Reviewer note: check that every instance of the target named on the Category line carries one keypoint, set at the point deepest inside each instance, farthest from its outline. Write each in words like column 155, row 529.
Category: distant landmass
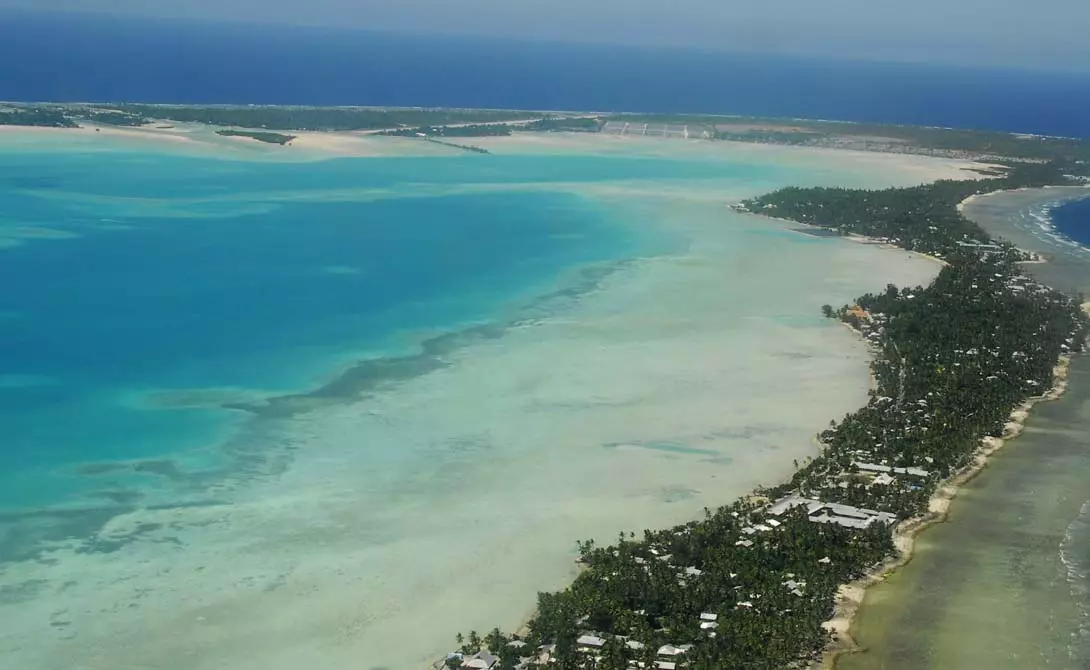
column 273, row 124
column 89, row 58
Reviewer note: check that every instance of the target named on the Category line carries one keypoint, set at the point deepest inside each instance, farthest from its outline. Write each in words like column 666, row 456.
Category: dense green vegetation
column 260, row 136
column 35, row 116
column 565, row 124
column 750, row 590
column 318, row 118
column 924, row 218
column 109, row 117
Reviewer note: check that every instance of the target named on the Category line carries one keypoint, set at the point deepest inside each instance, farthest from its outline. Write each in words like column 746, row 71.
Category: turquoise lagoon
column 269, row 413
column 182, row 281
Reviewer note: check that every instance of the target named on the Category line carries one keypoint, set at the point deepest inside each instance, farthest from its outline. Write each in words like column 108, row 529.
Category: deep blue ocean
column 1073, row 221
column 88, row 58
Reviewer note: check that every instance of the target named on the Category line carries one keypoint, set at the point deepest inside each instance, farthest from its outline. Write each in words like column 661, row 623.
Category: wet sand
column 999, row 584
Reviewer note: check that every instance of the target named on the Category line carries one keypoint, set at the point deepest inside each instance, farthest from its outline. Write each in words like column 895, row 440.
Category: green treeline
column 34, row 116
column 317, row 118
column 924, row 218
column 565, row 124
column 108, row 117
column 260, row 136
column 951, row 362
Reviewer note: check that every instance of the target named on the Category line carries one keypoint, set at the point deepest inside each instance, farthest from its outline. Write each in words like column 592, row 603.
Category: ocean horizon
column 100, row 58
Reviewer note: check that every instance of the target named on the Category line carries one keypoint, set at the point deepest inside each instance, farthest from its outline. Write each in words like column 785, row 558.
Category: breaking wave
column 1075, row 556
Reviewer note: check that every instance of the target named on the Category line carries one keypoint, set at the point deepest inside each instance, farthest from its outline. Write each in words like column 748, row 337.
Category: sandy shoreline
column 850, row 597
column 321, row 145
column 1045, row 194
column 854, row 237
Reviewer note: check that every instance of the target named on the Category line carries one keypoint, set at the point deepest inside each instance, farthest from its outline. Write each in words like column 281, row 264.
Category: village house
column 823, row 512
column 873, row 467
column 669, row 651
column 590, row 642
column 482, row 660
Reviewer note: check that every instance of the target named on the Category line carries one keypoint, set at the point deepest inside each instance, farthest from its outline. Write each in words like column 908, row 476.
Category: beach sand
column 683, row 381
column 310, row 145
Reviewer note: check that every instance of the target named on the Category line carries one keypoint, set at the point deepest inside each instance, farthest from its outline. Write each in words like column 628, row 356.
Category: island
column 754, row 583
column 319, row 118
column 260, row 136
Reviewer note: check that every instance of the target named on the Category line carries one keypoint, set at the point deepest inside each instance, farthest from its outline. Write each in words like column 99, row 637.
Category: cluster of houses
column 668, row 656
column 671, row 657
column 818, row 511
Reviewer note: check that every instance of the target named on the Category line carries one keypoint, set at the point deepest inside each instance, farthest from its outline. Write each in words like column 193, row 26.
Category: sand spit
column 925, row 168
column 200, row 138
column 1047, row 193
column 174, row 135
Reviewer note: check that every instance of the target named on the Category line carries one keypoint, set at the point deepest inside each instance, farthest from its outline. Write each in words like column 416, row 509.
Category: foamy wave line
column 1042, row 225
column 1077, row 566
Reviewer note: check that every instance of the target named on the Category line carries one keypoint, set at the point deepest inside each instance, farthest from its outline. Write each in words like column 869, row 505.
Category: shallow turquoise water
column 130, row 275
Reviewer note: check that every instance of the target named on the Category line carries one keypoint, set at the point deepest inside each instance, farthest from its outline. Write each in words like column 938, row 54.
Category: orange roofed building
column 859, row 313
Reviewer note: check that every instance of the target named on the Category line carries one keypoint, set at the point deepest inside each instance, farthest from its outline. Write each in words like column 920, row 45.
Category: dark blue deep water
column 1073, row 221
column 86, row 58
